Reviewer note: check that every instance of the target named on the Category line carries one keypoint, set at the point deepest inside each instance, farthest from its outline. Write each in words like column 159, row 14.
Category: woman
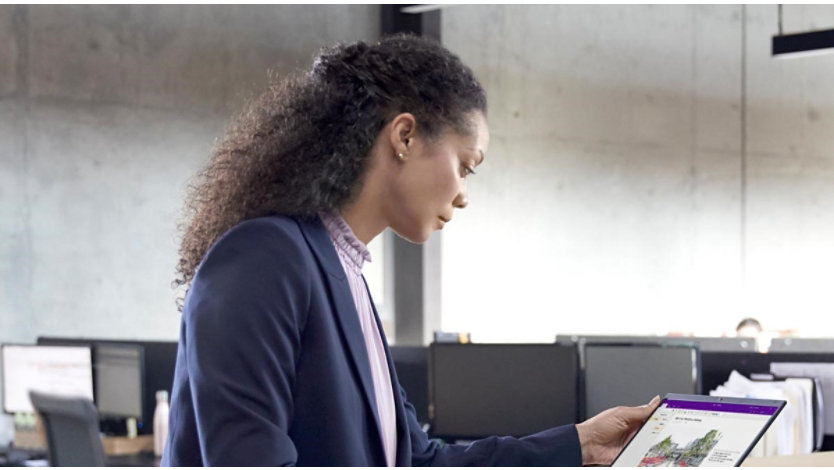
column 282, row 360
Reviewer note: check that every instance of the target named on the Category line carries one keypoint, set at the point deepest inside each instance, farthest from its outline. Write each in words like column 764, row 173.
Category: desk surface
column 143, row 459
column 817, row 459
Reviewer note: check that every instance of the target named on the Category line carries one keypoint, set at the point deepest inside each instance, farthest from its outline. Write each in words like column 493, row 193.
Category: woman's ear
column 403, row 130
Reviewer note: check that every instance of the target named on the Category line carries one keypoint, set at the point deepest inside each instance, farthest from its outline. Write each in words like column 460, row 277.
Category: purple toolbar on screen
column 721, row 407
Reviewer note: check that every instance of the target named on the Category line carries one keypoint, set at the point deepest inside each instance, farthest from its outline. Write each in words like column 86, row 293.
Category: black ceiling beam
column 813, row 42
column 394, row 20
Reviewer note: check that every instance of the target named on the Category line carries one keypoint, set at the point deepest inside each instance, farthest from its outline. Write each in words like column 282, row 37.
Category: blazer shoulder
column 270, row 247
column 263, row 261
column 276, row 227
column 271, row 235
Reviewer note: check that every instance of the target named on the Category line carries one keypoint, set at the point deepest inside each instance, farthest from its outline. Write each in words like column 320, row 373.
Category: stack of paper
column 823, row 375
column 825, row 372
column 793, row 430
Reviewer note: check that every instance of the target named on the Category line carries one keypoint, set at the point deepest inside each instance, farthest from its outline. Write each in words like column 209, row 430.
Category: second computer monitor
column 481, row 390
column 119, row 377
column 622, row 374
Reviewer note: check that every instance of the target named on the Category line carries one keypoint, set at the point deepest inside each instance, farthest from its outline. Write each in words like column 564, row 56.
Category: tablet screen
column 710, row 433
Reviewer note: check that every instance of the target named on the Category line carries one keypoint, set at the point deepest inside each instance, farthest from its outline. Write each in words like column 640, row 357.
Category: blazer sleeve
column 243, row 317
column 553, row 447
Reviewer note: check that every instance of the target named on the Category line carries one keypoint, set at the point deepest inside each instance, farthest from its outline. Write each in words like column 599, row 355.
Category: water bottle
column 160, row 422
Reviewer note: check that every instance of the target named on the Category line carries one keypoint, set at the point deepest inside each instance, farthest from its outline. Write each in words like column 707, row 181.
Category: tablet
column 699, row 431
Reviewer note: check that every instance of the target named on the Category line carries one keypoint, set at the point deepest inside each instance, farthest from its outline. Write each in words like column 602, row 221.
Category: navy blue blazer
column 272, row 367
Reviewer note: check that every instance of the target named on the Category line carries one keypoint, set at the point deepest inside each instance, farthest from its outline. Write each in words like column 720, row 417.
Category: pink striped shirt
column 353, row 254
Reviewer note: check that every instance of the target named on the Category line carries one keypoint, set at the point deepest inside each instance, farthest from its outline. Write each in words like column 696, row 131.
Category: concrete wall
column 651, row 169
column 619, row 194
column 105, row 112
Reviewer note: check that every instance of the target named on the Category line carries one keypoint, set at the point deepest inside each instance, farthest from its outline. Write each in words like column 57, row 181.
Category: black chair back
column 72, row 430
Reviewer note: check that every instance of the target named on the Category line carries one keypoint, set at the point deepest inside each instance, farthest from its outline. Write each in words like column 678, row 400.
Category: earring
column 401, row 156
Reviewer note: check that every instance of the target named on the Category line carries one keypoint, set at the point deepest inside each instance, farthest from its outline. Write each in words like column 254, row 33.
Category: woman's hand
column 604, row 436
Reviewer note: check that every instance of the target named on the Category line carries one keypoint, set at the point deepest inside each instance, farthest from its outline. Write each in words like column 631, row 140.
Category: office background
column 623, row 194
column 652, row 168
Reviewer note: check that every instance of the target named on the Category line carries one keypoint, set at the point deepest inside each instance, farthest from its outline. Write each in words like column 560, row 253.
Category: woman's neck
column 364, row 219
column 364, row 214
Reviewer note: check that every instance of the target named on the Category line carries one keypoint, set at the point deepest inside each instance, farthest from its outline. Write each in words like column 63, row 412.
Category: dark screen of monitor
column 119, row 380
column 632, row 375
column 499, row 389
column 411, row 364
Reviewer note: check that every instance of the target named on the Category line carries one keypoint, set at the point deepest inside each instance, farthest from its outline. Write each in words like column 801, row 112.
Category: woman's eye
column 468, row 171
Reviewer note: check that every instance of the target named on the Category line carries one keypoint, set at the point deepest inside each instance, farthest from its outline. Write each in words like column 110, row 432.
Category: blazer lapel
column 345, row 309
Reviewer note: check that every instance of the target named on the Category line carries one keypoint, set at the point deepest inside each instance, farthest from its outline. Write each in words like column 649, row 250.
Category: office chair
column 72, row 432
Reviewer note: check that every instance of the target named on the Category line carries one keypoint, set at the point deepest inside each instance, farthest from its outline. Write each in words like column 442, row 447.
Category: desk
column 13, row 457
column 142, row 459
column 817, row 459
column 19, row 458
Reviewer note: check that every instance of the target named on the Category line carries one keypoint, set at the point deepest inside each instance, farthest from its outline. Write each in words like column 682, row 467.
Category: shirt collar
column 344, row 239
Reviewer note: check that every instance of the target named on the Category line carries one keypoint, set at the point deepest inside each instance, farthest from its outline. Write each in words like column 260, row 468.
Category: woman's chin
column 418, row 236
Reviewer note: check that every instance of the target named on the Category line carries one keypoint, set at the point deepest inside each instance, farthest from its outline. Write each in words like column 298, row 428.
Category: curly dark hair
column 302, row 146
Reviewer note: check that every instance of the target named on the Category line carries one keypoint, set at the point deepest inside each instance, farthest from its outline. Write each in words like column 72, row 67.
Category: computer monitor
column 412, row 367
column 119, row 376
column 632, row 374
column 808, row 345
column 160, row 360
column 704, row 343
column 57, row 370
column 626, row 339
column 479, row 390
column 718, row 344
